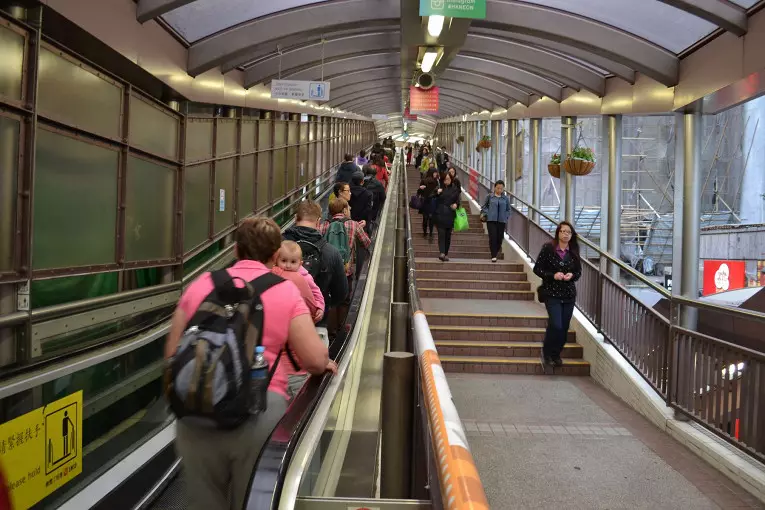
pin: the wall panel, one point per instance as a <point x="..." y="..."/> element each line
<point x="196" y="205"/>
<point x="12" y="44"/>
<point x="153" y="129"/>
<point x="9" y="159"/>
<point x="149" y="210"/>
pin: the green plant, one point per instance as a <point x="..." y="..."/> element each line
<point x="555" y="159"/>
<point x="460" y="139"/>
<point x="584" y="153"/>
<point x="484" y="143"/>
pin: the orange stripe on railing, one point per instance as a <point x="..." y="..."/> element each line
<point x="461" y="487"/>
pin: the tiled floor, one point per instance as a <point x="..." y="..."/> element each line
<point x="567" y="443"/>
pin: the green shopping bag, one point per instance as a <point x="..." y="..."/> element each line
<point x="461" y="220"/>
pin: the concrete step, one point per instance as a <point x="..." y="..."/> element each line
<point x="492" y="334"/>
<point x="478" y="266"/>
<point x="458" y="252"/>
<point x="488" y="276"/>
<point x="503" y="295"/>
<point x="502" y="349"/>
<point x="496" y="365"/>
<point x="447" y="282"/>
<point x="473" y="242"/>
<point x="485" y="320"/>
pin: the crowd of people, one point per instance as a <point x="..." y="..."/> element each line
<point x="243" y="340"/>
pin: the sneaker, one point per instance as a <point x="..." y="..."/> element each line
<point x="446" y="259"/>
<point x="442" y="257"/>
<point x="557" y="361"/>
<point x="494" y="259"/>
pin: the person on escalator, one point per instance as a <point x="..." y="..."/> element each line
<point x="377" y="189"/>
<point x="219" y="445"/>
<point x="361" y="202"/>
<point x="447" y="201"/>
<point x="346" y="170"/>
<point x="428" y="186"/>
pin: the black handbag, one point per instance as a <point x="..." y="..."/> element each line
<point x="541" y="294"/>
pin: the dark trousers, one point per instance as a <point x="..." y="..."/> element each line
<point x="427" y="223"/>
<point x="558" y="321"/>
<point x="496" y="236"/>
<point x="444" y="239"/>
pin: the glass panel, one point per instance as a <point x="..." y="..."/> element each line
<point x="12" y="45"/>
<point x="123" y="407"/>
<point x="56" y="291"/>
<point x="206" y="17"/>
<point x="9" y="158"/>
<point x="153" y="129"/>
<point x="551" y="144"/>
<point x="248" y="136"/>
<point x="653" y="20"/>
<point x="226" y="141"/>
<point x="264" y="135"/>
<point x="149" y="210"/>
<point x="224" y="194"/>
<point x="264" y="167"/>
<point x="246" y="184"/>
<point x="292" y="155"/>
<point x="196" y="205"/>
<point x="75" y="202"/>
<point x="199" y="138"/>
<point x="588" y="188"/>
<point x="648" y="162"/>
<point x="73" y="94"/>
<point x="280" y="159"/>
<point x="303" y="175"/>
<point x="745" y="3"/>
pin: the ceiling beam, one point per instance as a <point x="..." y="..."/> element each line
<point x="147" y="10"/>
<point x="531" y="81"/>
<point x="239" y="40"/>
<point x="585" y="33"/>
<point x="537" y="61"/>
<point x="482" y="80"/>
<point x="314" y="54"/>
<point x="351" y="77"/>
<point x="361" y="87"/>
<point x="343" y="65"/>
<point x="722" y="13"/>
<point x="467" y="88"/>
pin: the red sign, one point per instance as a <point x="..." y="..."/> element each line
<point x="723" y="275"/>
<point x="423" y="101"/>
<point x="473" y="189"/>
<point x="409" y="116"/>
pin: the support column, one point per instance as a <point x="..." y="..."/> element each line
<point x="396" y="419"/>
<point x="536" y="165"/>
<point x="511" y="170"/>
<point x="689" y="283"/>
<point x="567" y="138"/>
<point x="614" y="190"/>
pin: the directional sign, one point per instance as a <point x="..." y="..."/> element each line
<point x="42" y="450"/>
<point x="423" y="101"/>
<point x="298" y="89"/>
<point x="475" y="9"/>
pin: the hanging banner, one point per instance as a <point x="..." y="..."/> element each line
<point x="423" y="101"/>
<point x="298" y="89"/>
<point x="41" y="451"/>
<point x="473" y="9"/>
<point x="409" y="116"/>
<point x="723" y="275"/>
<point x="473" y="188"/>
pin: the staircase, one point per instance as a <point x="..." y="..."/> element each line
<point x="483" y="316"/>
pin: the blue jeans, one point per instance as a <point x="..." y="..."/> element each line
<point x="558" y="321"/>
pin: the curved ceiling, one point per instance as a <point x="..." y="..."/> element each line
<point x="367" y="49"/>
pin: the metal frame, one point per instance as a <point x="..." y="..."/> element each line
<point x="341" y="65"/>
<point x="533" y="82"/>
<point x="361" y="87"/>
<point x="312" y="54"/>
<point x="483" y="80"/>
<point x="723" y="13"/>
<point x="239" y="40"/>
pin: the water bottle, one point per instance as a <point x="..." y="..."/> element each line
<point x="258" y="381"/>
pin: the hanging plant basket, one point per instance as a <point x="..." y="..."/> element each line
<point x="580" y="162"/>
<point x="483" y="144"/>
<point x="554" y="166"/>
<point x="460" y="139"/>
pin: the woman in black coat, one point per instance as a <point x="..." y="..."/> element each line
<point x="428" y="187"/>
<point x="447" y="201"/>
<point x="559" y="266"/>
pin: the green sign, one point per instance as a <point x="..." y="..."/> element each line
<point x="475" y="9"/>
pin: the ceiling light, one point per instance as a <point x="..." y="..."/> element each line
<point x="435" y="25"/>
<point x="428" y="59"/>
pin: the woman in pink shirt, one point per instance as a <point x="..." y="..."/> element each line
<point x="214" y="459"/>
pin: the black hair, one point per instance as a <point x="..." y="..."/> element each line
<point x="573" y="244"/>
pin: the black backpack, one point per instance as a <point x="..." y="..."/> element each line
<point x="312" y="261"/>
<point x="209" y="375"/>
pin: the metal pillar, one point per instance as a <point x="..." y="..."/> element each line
<point x="511" y="167"/>
<point x="689" y="283"/>
<point x="567" y="134"/>
<point x="536" y="165"/>
<point x="399" y="331"/>
<point x="397" y="415"/>
<point x="614" y="190"/>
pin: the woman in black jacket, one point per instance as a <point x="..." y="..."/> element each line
<point x="428" y="186"/>
<point x="447" y="201"/>
<point x="559" y="266"/>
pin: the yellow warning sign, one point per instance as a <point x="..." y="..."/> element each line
<point x="42" y="450"/>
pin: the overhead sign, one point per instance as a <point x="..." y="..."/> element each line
<point x="42" y="450"/>
<point x="298" y="89"/>
<point x="423" y="101"/>
<point x="409" y="116"/>
<point x="474" y="9"/>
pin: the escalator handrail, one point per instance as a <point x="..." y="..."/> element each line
<point x="47" y="370"/>
<point x="306" y="435"/>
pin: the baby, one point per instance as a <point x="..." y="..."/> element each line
<point x="289" y="265"/>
